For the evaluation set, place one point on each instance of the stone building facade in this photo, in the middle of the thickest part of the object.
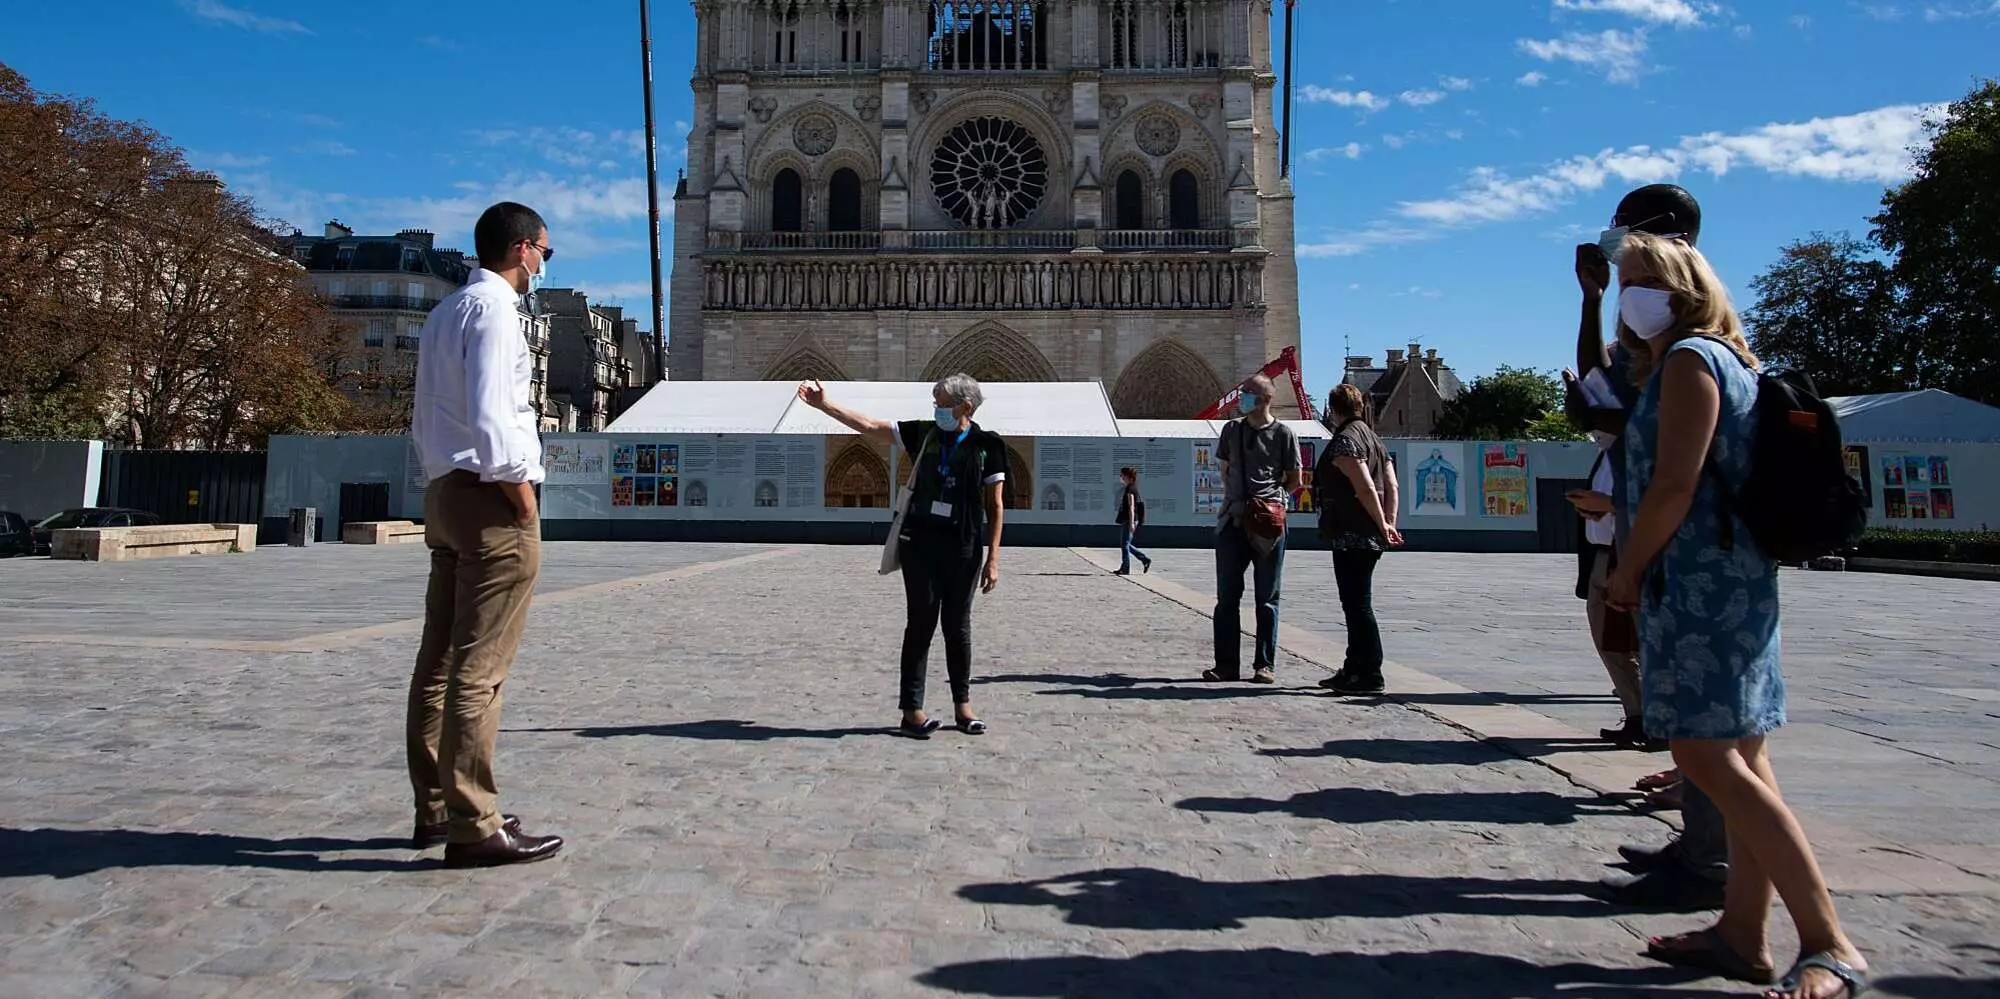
(1024, 190)
(588, 368)
(1407, 392)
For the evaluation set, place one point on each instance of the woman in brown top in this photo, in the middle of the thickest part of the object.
(1355, 481)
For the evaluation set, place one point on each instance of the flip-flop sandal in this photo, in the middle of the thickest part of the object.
(1654, 782)
(1705, 950)
(1666, 799)
(972, 726)
(1853, 983)
(921, 731)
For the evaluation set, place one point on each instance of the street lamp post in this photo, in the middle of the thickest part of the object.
(653, 198)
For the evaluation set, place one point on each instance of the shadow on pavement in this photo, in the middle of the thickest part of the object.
(1486, 697)
(1363, 804)
(68, 853)
(1945, 987)
(1100, 680)
(721, 729)
(1146, 898)
(1458, 752)
(1269, 972)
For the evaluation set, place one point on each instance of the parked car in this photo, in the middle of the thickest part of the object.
(43, 533)
(14, 536)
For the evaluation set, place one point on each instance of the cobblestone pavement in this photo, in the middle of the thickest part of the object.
(203, 791)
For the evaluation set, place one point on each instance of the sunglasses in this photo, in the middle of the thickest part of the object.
(548, 252)
(1612, 240)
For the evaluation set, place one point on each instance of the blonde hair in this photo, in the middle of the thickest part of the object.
(1701, 302)
(1348, 402)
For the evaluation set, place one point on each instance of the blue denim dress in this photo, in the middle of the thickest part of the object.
(1708, 614)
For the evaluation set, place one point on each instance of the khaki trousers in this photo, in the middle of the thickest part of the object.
(1623, 666)
(483, 569)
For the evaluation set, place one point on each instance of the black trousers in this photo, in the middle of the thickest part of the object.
(938, 579)
(1354, 574)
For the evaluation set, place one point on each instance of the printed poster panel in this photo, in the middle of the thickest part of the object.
(1503, 480)
(1302, 501)
(1920, 504)
(1857, 469)
(1208, 490)
(1942, 506)
(1892, 471)
(624, 458)
(1915, 486)
(1436, 471)
(1940, 469)
(1162, 464)
(621, 490)
(1055, 468)
(1895, 504)
(576, 462)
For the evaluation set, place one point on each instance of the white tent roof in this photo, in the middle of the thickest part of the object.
(1929, 415)
(1013, 409)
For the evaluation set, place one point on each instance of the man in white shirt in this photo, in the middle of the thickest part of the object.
(475, 429)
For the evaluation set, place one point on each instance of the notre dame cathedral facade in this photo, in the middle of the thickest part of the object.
(1023, 190)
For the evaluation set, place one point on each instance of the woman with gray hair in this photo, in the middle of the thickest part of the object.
(954, 513)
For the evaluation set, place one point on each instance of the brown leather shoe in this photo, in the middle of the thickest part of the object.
(508, 846)
(430, 834)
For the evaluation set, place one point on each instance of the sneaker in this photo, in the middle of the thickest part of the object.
(1345, 682)
(1264, 674)
(1672, 888)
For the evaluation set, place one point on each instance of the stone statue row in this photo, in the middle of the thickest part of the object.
(1070, 283)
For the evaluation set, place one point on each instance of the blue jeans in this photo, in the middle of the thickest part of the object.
(1233, 555)
(1131, 549)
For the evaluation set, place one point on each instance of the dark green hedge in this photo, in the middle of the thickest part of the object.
(1930, 546)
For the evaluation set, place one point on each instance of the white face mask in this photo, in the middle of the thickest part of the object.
(1648, 312)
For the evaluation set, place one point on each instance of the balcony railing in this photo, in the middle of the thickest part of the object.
(992, 239)
(371, 341)
(844, 240)
(406, 343)
(1165, 239)
(400, 302)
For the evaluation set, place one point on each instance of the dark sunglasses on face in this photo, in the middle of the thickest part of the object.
(548, 252)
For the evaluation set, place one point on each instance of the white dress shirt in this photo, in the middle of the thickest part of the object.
(475, 408)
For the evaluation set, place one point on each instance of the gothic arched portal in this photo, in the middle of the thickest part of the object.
(805, 363)
(1167, 381)
(991, 352)
(857, 477)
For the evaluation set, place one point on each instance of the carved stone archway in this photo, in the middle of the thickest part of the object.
(803, 363)
(991, 352)
(857, 478)
(1167, 381)
(1019, 493)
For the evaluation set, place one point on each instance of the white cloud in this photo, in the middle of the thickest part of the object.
(1455, 84)
(1803, 22)
(217, 12)
(1935, 13)
(1531, 78)
(1352, 151)
(1357, 242)
(328, 147)
(1366, 101)
(1883, 11)
(1619, 55)
(1421, 98)
(1679, 13)
(1872, 146)
(226, 161)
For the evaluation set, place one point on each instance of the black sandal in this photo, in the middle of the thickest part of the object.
(1705, 950)
(921, 730)
(1852, 983)
(972, 726)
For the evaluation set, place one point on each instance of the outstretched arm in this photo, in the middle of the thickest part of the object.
(813, 394)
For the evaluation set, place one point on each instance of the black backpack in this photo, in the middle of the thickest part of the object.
(1798, 501)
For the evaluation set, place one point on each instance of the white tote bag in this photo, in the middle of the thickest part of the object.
(892, 548)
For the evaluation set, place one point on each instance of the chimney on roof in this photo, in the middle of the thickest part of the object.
(1416, 350)
(1432, 364)
(422, 237)
(334, 230)
(1360, 362)
(1395, 357)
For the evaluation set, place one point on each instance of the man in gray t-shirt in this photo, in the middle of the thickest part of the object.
(1260, 459)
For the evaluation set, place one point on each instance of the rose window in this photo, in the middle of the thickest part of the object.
(989, 173)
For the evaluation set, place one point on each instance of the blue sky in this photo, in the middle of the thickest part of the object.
(1448, 153)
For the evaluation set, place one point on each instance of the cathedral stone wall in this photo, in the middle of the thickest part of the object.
(1042, 189)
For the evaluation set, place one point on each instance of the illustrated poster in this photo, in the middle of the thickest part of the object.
(1437, 479)
(1503, 480)
(575, 462)
(1208, 491)
(1942, 506)
(1857, 469)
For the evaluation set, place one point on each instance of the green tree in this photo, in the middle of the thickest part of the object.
(1502, 405)
(1829, 308)
(1943, 225)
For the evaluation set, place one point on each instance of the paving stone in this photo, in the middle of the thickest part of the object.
(715, 747)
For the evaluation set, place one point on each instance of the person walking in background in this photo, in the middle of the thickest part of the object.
(1131, 515)
(1260, 466)
(1707, 602)
(1611, 631)
(1688, 872)
(474, 426)
(1356, 482)
(951, 535)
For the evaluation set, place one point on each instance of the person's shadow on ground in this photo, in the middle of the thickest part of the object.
(718, 729)
(69, 853)
(1145, 898)
(1269, 971)
(1364, 804)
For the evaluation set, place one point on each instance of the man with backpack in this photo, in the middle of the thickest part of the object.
(1260, 467)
